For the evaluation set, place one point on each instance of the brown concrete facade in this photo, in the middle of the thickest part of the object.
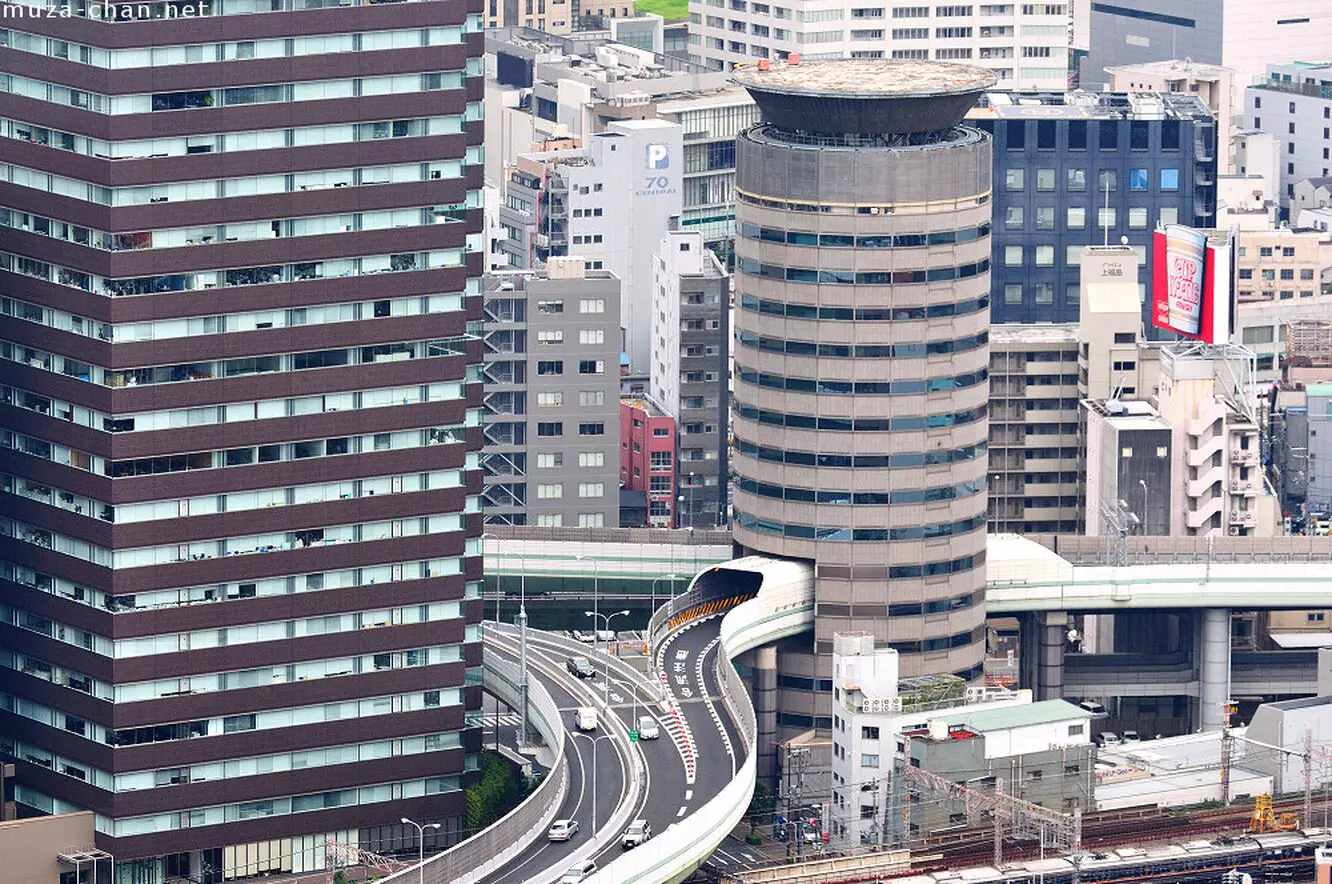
(72, 606)
(861, 388)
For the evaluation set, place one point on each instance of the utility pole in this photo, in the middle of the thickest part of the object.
(1308, 777)
(1227, 748)
(998, 822)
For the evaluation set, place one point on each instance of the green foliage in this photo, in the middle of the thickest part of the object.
(760, 805)
(498, 791)
(671, 10)
(340, 877)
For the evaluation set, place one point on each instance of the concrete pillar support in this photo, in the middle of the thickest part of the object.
(765, 711)
(1052, 632)
(1213, 668)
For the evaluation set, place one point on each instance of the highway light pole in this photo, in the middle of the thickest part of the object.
(596, 589)
(594, 740)
(420, 845)
(522, 655)
(671, 578)
(606, 619)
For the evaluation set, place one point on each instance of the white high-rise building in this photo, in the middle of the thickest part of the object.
(1028, 45)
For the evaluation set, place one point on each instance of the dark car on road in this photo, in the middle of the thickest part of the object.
(581, 667)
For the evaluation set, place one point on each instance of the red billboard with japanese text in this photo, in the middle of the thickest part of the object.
(1191, 289)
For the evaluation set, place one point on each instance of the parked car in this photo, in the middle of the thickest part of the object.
(587, 718)
(580, 872)
(581, 667)
(638, 832)
(1093, 707)
(562, 830)
(648, 729)
(1131, 737)
(1108, 739)
(605, 635)
(584, 637)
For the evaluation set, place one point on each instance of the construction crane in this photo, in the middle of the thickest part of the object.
(1265, 820)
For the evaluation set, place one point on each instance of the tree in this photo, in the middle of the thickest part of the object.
(498, 791)
(759, 806)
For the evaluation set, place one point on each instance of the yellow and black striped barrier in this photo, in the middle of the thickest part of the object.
(707, 609)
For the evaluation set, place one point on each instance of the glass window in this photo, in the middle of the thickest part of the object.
(1105, 217)
(1015, 179)
(1045, 292)
(1073, 256)
(1107, 179)
(1017, 134)
(1072, 294)
(1077, 135)
(1137, 217)
(1077, 217)
(1012, 256)
(1013, 217)
(1013, 293)
(1169, 179)
(1169, 215)
(1045, 135)
(1045, 256)
(1045, 179)
(1139, 180)
(1077, 180)
(1045, 217)
(1109, 134)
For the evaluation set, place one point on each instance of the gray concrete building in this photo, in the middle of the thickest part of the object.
(689, 377)
(552, 397)
(862, 350)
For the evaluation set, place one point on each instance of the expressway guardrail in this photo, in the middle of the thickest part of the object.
(469, 861)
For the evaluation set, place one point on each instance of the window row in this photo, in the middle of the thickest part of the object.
(233, 502)
(907, 461)
(231, 142)
(212, 279)
(751, 267)
(217, 234)
(230, 368)
(189, 327)
(226, 188)
(391, 572)
(863, 388)
(1075, 180)
(170, 56)
(873, 241)
(861, 498)
(314, 90)
(148, 556)
(895, 572)
(1075, 217)
(239, 457)
(914, 350)
(863, 314)
(859, 424)
(272, 719)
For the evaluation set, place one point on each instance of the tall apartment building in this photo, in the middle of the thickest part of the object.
(552, 396)
(1088, 169)
(241, 427)
(1243, 35)
(1294, 103)
(690, 374)
(547, 87)
(610, 203)
(1025, 45)
(1040, 374)
(862, 350)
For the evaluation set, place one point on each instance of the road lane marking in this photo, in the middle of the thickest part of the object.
(689, 794)
(682, 811)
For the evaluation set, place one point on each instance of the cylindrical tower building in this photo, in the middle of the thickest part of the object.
(863, 288)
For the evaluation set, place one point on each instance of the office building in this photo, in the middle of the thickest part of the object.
(860, 446)
(241, 430)
(552, 396)
(1025, 45)
(648, 461)
(1088, 169)
(1214, 85)
(1243, 35)
(546, 88)
(690, 377)
(1294, 104)
(610, 203)
(873, 707)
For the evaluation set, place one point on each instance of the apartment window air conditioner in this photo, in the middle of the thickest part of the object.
(1234, 530)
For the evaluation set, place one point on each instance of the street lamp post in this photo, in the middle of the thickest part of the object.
(596, 590)
(606, 619)
(420, 845)
(522, 654)
(594, 740)
(1143, 483)
(671, 578)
